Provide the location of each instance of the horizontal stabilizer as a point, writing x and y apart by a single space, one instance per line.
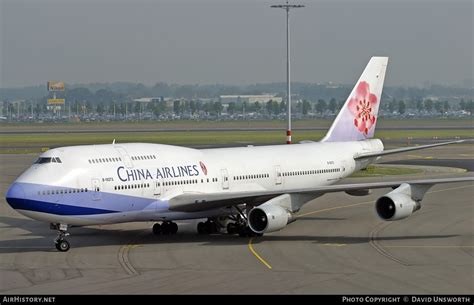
400 150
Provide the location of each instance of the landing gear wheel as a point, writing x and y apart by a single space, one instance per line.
201 228
231 228
60 242
62 245
247 232
173 228
169 227
157 229
210 227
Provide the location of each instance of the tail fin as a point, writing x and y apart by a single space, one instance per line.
357 118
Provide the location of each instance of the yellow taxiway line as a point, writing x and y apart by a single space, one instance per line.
256 254
263 261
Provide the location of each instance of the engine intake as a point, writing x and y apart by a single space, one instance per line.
268 218
396 205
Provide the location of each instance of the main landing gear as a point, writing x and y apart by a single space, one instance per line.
166 228
60 242
208 227
232 224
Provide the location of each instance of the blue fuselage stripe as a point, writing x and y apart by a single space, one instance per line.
54 208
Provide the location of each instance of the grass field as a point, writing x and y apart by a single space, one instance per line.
186 124
26 143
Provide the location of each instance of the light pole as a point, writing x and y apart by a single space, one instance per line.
287 8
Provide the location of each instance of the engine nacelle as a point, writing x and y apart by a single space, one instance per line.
268 218
396 205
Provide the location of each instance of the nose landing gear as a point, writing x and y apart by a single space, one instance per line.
60 241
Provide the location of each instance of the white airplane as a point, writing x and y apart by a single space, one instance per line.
245 190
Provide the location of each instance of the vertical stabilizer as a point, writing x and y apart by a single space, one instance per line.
358 117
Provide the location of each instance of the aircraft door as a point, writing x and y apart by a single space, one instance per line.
125 157
157 188
225 179
96 195
278 175
343 168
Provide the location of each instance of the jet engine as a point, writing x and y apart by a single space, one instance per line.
397 204
268 218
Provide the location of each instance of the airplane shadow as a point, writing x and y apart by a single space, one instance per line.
312 218
40 238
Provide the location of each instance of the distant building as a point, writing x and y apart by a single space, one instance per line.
149 99
250 99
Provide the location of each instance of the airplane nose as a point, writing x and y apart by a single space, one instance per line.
16 196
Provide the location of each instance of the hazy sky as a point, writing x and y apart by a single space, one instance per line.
233 41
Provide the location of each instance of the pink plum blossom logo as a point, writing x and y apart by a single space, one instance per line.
362 106
203 167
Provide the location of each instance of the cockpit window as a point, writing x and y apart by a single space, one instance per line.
43 160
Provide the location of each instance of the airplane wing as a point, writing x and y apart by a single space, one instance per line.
193 202
399 150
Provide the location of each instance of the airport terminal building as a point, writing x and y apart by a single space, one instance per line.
250 99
